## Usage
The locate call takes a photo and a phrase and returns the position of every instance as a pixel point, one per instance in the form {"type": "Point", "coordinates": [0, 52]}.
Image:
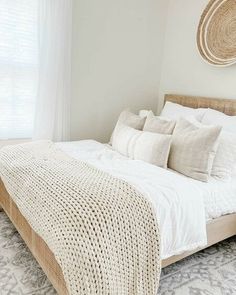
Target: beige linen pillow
{"type": "Point", "coordinates": [193, 149]}
{"type": "Point", "coordinates": [139, 145]}
{"type": "Point", "coordinates": [130, 119]}
{"type": "Point", "coordinates": [159, 125]}
{"type": "Point", "coordinates": [144, 113]}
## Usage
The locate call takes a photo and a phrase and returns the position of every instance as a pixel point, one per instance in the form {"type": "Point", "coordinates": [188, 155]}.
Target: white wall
{"type": "Point", "coordinates": [117, 48]}
{"type": "Point", "coordinates": [183, 69]}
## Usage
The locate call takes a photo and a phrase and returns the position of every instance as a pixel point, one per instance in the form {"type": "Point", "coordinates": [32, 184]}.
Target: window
{"type": "Point", "coordinates": [18, 67]}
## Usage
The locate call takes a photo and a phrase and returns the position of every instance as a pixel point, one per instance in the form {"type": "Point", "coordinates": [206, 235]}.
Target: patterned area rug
{"type": "Point", "coordinates": [209, 272]}
{"type": "Point", "coordinates": [19, 272]}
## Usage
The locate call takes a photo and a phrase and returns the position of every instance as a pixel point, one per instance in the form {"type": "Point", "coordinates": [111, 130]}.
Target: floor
{"type": "Point", "coordinates": [209, 272]}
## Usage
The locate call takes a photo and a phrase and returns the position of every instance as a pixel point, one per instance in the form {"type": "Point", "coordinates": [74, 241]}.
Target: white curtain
{"type": "Point", "coordinates": [18, 67]}
{"type": "Point", "coordinates": [52, 109]}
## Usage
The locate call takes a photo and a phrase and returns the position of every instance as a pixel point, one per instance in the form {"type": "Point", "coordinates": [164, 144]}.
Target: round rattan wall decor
{"type": "Point", "coordinates": [216, 37]}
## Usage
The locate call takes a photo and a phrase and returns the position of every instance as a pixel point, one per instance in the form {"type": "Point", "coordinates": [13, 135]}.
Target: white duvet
{"type": "Point", "coordinates": [179, 202]}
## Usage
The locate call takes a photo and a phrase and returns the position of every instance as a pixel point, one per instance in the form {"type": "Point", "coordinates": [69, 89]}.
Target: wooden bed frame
{"type": "Point", "coordinates": [217, 230]}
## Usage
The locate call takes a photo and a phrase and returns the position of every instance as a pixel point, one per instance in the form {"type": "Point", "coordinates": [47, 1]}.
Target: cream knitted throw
{"type": "Point", "coordinates": [101, 230]}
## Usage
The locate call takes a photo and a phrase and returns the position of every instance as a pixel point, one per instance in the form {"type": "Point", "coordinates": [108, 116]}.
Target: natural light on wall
{"type": "Point", "coordinates": [18, 67]}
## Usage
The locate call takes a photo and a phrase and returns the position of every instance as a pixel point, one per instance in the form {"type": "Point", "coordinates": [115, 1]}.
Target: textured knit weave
{"type": "Point", "coordinates": [102, 231]}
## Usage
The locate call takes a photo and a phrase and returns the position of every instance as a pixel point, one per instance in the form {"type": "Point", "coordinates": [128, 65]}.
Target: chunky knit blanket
{"type": "Point", "coordinates": [102, 231]}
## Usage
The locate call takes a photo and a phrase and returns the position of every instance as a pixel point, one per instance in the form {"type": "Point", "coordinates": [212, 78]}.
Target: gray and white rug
{"type": "Point", "coordinates": [209, 272]}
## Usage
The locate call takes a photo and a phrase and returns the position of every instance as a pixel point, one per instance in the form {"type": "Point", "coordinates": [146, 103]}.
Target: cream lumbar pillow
{"type": "Point", "coordinates": [130, 119]}
{"type": "Point", "coordinates": [124, 139]}
{"type": "Point", "coordinates": [153, 148]}
{"type": "Point", "coordinates": [139, 145]}
{"type": "Point", "coordinates": [159, 125]}
{"type": "Point", "coordinates": [193, 149]}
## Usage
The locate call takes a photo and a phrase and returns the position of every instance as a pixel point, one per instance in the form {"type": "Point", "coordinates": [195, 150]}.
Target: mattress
{"type": "Point", "coordinates": [182, 205]}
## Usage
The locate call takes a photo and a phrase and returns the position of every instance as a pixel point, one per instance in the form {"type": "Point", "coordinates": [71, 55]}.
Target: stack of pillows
{"type": "Point", "coordinates": [199, 143]}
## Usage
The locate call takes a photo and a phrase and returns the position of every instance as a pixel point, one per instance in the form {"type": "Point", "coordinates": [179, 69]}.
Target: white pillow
{"type": "Point", "coordinates": [233, 178]}
{"type": "Point", "coordinates": [193, 149]}
{"type": "Point", "coordinates": [130, 119]}
{"type": "Point", "coordinates": [224, 165]}
{"type": "Point", "coordinates": [159, 125]}
{"type": "Point", "coordinates": [176, 111]}
{"type": "Point", "coordinates": [213, 117]}
{"type": "Point", "coordinates": [225, 161]}
{"type": "Point", "coordinates": [139, 145]}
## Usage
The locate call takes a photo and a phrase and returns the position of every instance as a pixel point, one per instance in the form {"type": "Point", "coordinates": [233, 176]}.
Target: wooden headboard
{"type": "Point", "coordinates": [227, 106]}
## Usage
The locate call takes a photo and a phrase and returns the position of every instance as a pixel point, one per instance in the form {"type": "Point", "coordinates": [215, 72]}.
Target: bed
{"type": "Point", "coordinates": [218, 229]}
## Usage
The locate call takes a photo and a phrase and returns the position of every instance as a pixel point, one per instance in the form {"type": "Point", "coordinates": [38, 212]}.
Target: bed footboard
{"type": "Point", "coordinates": [218, 230]}
{"type": "Point", "coordinates": [37, 246]}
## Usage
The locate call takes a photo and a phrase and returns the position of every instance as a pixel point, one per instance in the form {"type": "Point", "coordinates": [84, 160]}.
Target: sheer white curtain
{"type": "Point", "coordinates": [18, 67]}
{"type": "Point", "coordinates": [52, 108]}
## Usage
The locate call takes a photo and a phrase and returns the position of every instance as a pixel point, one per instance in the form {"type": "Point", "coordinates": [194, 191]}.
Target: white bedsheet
{"type": "Point", "coordinates": [179, 202]}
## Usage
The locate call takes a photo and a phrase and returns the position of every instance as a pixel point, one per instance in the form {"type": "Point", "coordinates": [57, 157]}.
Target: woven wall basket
{"type": "Point", "coordinates": [216, 36]}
